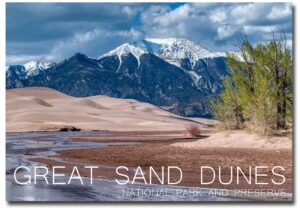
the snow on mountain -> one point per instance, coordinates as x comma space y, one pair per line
180, 52
33, 67
123, 50
174, 50
195, 77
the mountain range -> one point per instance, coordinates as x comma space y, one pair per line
174, 74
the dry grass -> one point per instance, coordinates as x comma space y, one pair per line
193, 131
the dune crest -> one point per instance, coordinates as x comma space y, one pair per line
43, 109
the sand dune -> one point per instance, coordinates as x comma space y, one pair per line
43, 109
238, 139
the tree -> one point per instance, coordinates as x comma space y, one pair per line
258, 91
227, 107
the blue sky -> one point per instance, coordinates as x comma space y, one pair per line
52, 32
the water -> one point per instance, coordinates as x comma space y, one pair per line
101, 190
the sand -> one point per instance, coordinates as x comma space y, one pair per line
161, 154
239, 139
43, 109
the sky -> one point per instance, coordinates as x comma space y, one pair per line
52, 32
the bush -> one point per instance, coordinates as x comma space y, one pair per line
193, 130
258, 92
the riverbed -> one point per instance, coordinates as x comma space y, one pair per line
45, 144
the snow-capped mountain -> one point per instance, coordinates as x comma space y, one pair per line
124, 50
174, 74
192, 58
34, 67
30, 68
17, 75
197, 61
174, 50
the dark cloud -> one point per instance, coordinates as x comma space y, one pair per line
54, 31
43, 21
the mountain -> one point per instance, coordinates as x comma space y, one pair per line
124, 50
34, 67
206, 68
174, 74
174, 50
18, 75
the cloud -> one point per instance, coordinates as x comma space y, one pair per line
182, 22
21, 59
218, 26
96, 42
58, 30
37, 21
280, 12
54, 31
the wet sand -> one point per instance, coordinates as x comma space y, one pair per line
142, 136
160, 154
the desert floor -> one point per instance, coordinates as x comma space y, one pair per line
167, 151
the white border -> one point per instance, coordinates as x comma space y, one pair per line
3, 202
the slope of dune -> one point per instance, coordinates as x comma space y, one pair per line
43, 109
238, 139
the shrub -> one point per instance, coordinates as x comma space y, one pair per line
258, 91
193, 130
